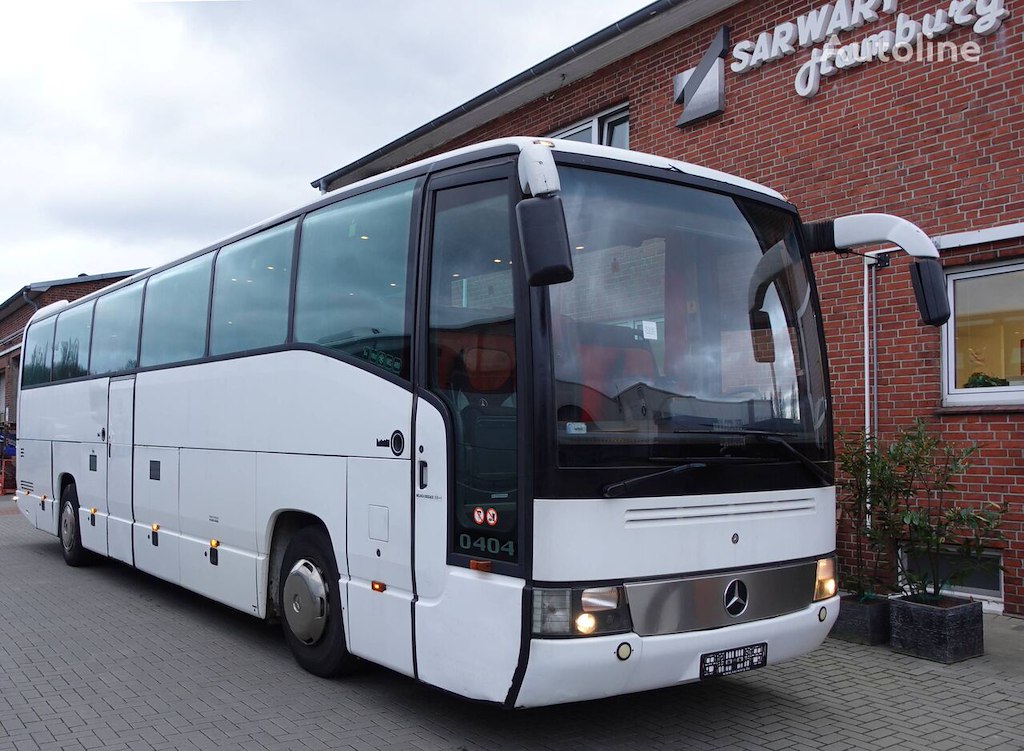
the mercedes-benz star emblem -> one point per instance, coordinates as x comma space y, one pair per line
735, 598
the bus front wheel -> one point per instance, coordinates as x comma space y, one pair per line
311, 605
70, 534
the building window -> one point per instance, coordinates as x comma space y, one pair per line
984, 339
608, 128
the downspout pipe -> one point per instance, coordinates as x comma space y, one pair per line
26, 298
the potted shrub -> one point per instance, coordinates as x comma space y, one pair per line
869, 494
925, 622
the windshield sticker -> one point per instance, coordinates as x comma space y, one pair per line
478, 515
575, 428
650, 330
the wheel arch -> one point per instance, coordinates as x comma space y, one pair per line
284, 526
64, 480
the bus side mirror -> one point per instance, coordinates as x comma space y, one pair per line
930, 290
545, 241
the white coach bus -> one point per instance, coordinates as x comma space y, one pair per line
531, 421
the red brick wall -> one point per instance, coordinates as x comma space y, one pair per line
939, 143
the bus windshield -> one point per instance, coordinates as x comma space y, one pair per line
690, 328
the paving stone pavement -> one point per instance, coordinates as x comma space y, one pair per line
105, 657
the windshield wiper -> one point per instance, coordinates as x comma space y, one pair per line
776, 440
616, 488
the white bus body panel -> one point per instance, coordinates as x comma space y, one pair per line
290, 402
468, 623
379, 549
217, 501
35, 482
156, 502
71, 416
626, 538
290, 482
261, 435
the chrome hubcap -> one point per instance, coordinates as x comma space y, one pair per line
67, 526
305, 603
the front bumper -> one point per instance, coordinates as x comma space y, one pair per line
568, 670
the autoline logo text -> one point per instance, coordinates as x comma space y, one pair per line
908, 39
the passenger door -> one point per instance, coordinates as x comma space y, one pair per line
468, 563
120, 447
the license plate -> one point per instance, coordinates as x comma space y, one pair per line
730, 661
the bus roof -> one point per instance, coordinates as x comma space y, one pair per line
576, 147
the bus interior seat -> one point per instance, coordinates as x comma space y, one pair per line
478, 370
610, 358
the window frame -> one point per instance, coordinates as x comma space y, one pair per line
210, 258
404, 377
141, 284
289, 286
91, 306
953, 395
597, 123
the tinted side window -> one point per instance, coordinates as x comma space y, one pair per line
71, 347
174, 321
250, 294
115, 334
353, 261
38, 351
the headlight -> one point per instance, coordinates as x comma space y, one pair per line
825, 586
580, 612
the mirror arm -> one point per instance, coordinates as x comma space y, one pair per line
846, 232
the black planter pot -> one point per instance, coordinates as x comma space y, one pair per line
950, 631
862, 622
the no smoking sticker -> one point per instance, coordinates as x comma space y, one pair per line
492, 517
478, 515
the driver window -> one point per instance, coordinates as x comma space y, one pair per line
472, 361
351, 291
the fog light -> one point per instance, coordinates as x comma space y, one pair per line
825, 586
822, 614
624, 651
586, 623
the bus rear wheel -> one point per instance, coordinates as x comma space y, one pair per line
70, 534
311, 605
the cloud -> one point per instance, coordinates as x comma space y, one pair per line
133, 133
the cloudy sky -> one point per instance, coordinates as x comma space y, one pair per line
132, 133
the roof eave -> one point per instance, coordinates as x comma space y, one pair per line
623, 38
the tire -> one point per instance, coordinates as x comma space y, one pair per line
68, 530
308, 588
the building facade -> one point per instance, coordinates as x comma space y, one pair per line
907, 107
15, 312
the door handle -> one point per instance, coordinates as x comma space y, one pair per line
102, 435
423, 475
